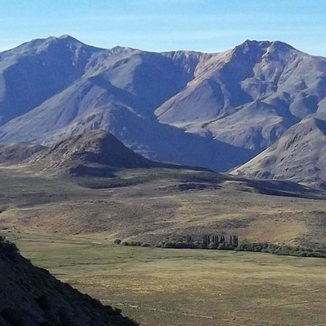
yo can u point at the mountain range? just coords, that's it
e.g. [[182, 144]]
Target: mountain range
[[215, 110]]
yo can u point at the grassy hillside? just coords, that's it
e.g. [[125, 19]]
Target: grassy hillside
[[149, 205]]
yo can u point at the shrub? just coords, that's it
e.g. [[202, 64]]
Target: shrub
[[178, 245], [117, 241], [281, 250], [135, 243], [132, 243]]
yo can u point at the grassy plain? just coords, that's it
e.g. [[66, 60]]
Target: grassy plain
[[187, 287]]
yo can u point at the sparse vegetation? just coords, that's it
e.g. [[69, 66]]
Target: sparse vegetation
[[188, 287], [131, 243], [223, 242], [282, 250], [158, 204], [214, 241]]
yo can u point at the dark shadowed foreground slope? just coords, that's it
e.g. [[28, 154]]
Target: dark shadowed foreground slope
[[31, 296]]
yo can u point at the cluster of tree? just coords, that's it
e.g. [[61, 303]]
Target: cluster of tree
[[223, 242], [131, 243], [214, 241], [282, 249]]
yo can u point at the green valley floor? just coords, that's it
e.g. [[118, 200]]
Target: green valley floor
[[187, 287]]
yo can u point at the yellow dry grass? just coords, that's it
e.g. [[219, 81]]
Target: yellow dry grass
[[188, 287]]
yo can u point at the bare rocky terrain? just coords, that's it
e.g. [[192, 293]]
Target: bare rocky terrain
[[250, 95], [215, 110], [299, 155]]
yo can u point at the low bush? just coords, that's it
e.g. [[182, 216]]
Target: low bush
[[281, 250], [132, 243]]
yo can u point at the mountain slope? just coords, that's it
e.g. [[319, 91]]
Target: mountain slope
[[14, 153], [119, 92], [299, 155], [249, 96], [213, 110], [31, 296], [35, 71]]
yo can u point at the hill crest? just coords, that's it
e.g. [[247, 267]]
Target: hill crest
[[95, 152]]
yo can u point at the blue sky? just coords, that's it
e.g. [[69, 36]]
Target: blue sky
[[160, 25]]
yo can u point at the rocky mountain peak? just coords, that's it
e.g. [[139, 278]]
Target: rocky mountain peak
[[164, 105]]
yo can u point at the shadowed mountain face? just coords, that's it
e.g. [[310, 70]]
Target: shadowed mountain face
[[31, 296], [212, 110], [299, 155], [249, 96]]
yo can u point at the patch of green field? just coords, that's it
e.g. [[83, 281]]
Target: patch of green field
[[188, 287]]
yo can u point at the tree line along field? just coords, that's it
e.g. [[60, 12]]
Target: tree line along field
[[187, 287]]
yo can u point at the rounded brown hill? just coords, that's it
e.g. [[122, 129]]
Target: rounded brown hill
[[94, 152]]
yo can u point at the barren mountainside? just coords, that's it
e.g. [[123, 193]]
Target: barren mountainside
[[299, 155], [214, 110], [250, 95]]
